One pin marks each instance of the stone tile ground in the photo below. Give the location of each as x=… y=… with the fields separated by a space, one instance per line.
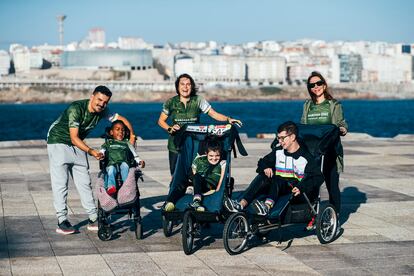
x=378 y=206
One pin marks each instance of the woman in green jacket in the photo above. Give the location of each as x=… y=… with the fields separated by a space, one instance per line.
x=322 y=108
x=186 y=108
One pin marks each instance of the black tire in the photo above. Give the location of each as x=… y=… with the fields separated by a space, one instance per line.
x=326 y=224
x=105 y=232
x=235 y=233
x=187 y=233
x=138 y=230
x=167 y=226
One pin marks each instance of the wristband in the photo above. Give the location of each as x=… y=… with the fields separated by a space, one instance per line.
x=228 y=119
x=169 y=130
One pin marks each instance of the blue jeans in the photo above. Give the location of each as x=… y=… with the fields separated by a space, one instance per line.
x=112 y=171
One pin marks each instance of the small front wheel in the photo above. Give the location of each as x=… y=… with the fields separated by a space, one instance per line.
x=235 y=233
x=187 y=232
x=326 y=224
x=167 y=226
x=105 y=232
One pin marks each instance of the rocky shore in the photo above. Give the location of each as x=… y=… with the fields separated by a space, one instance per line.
x=26 y=94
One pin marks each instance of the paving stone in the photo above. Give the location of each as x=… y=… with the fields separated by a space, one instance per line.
x=35 y=266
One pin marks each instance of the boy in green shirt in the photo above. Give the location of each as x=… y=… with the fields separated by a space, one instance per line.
x=208 y=174
x=118 y=152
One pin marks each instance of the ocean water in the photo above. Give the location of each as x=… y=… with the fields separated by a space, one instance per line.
x=379 y=118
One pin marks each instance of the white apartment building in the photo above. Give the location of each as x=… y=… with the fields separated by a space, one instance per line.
x=4 y=63
x=391 y=69
x=221 y=68
x=21 y=59
x=270 y=69
x=129 y=43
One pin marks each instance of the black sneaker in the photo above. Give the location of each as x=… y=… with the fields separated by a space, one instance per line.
x=260 y=208
x=92 y=225
x=65 y=228
x=232 y=205
x=196 y=205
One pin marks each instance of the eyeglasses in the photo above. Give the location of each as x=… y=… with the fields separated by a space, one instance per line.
x=282 y=138
x=318 y=83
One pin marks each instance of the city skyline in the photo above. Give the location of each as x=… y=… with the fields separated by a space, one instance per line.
x=160 y=21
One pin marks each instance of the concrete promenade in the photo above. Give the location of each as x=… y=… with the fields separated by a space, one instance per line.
x=378 y=220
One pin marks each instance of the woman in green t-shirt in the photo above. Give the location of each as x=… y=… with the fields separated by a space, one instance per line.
x=322 y=108
x=186 y=108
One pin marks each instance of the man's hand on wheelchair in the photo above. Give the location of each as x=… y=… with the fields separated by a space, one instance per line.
x=295 y=191
x=268 y=172
x=97 y=154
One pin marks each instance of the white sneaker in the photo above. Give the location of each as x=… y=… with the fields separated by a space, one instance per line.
x=190 y=190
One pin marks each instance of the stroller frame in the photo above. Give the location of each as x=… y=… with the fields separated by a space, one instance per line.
x=191 y=141
x=105 y=231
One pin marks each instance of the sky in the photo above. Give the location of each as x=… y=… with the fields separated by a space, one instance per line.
x=33 y=22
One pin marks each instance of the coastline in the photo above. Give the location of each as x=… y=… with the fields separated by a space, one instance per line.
x=26 y=94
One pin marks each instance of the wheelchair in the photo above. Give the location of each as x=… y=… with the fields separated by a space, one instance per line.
x=242 y=227
x=125 y=201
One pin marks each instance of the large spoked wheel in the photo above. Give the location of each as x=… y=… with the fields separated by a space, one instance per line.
x=167 y=226
x=188 y=233
x=326 y=224
x=235 y=233
x=105 y=232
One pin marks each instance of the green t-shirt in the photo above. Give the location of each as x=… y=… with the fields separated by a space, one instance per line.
x=76 y=116
x=319 y=114
x=118 y=152
x=201 y=166
x=181 y=115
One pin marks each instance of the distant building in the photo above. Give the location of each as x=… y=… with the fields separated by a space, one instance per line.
x=21 y=58
x=223 y=68
x=350 y=68
x=392 y=69
x=97 y=37
x=129 y=43
x=406 y=49
x=4 y=63
x=114 y=59
x=270 y=69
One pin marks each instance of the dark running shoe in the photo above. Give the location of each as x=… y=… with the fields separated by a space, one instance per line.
x=260 y=208
x=232 y=205
x=65 y=228
x=92 y=225
x=196 y=205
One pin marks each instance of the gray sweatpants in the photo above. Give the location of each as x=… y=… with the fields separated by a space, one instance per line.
x=65 y=160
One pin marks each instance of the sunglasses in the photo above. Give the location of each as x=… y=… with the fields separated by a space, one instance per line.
x=318 y=83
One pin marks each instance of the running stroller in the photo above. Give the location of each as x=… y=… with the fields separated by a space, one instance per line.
x=125 y=201
x=192 y=140
x=241 y=227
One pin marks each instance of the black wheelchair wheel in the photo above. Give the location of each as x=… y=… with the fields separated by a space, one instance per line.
x=167 y=226
x=187 y=233
x=105 y=232
x=326 y=224
x=235 y=233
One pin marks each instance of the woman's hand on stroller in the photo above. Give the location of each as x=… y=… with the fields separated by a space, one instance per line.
x=235 y=122
x=343 y=131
